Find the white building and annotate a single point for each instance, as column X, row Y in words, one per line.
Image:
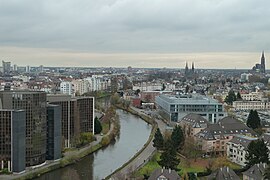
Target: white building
column 80, row 86
column 237, row 149
column 248, row 105
column 253, row 96
column 66, row 87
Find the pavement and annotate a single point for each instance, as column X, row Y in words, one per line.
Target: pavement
column 143, row 157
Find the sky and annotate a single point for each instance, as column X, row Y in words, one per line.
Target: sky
column 137, row 33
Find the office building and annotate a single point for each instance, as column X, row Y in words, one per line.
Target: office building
column 34, row 104
column 12, row 140
column 54, row 135
column 6, row 67
column 175, row 107
column 77, row 115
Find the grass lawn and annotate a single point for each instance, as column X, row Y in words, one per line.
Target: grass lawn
column 187, row 165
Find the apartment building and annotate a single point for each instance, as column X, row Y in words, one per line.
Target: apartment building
column 214, row 138
column 237, row 149
column 192, row 124
column 248, row 105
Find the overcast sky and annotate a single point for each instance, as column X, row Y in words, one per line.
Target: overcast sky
column 140, row 33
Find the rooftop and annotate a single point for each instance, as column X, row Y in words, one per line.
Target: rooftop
column 188, row 99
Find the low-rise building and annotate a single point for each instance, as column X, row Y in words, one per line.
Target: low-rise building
column 175, row 107
column 215, row 137
column 192, row 124
column 237, row 149
column 164, row 174
column 256, row 172
column 248, row 105
column 223, row 173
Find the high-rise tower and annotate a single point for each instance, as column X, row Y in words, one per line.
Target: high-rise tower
column 263, row 63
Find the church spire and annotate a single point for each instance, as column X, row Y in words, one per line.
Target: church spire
column 193, row 67
column 262, row 63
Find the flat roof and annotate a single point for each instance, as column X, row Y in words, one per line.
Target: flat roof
column 189, row 99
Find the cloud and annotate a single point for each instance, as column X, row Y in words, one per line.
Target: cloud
column 136, row 26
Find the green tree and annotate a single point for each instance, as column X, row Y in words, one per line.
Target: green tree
column 253, row 120
column 178, row 138
column 257, row 152
column 158, row 140
column 163, row 87
column 98, row 126
column 230, row 98
column 168, row 158
column 238, row 97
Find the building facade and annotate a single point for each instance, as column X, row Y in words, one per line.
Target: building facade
column 77, row 115
column 214, row 138
column 237, row 149
column 34, row 105
column 176, row 107
column 12, row 140
column 249, row 105
column 54, row 134
column 66, row 87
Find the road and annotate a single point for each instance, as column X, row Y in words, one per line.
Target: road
column 142, row 158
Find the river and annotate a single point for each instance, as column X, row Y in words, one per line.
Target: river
column 134, row 133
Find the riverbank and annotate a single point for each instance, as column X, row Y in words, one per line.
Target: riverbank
column 73, row 155
column 122, row 171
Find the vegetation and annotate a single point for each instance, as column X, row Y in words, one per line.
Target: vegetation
column 178, row 138
column 257, row 153
column 84, row 138
column 168, row 158
column 230, row 98
column 158, row 140
column 238, row 96
column 97, row 126
column 253, row 120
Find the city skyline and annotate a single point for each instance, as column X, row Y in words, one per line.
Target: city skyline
column 136, row 33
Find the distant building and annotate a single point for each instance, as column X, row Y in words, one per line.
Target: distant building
column 260, row 68
column 54, row 134
column 175, row 107
column 28, row 69
column 12, row 140
column 245, row 77
column 66, row 87
column 6, row 67
column 189, row 72
column 77, row 115
column 248, row 105
column 34, row 105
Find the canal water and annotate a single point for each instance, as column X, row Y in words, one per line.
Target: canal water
column 134, row 133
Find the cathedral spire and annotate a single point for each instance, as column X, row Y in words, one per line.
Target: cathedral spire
column 262, row 63
column 192, row 67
